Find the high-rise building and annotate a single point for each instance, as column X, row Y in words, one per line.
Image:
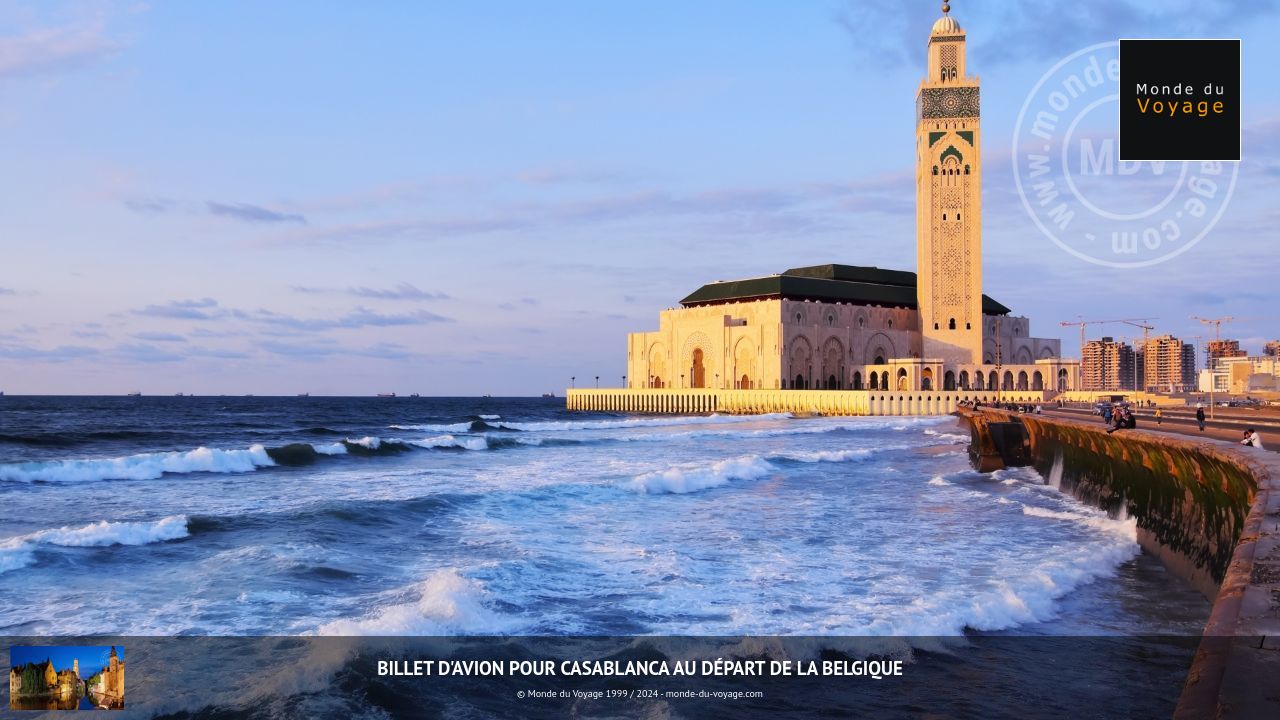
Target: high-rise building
column 1107, row 365
column 1272, row 348
column 1217, row 349
column 1169, row 364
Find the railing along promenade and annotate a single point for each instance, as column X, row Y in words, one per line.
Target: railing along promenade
column 805, row 402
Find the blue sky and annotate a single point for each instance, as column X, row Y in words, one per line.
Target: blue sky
column 467, row 198
column 92, row 657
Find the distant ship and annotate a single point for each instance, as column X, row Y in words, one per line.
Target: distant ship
column 135, row 394
column 415, row 395
column 548, row 395
column 386, row 395
column 304, row 394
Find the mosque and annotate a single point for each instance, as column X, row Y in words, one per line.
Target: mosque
column 844, row 327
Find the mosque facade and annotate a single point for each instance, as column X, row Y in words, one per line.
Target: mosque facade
column 845, row 327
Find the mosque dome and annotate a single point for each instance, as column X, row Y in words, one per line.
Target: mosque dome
column 946, row 25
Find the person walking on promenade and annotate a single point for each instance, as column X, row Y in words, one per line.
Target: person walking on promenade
column 1200, row 416
column 1106, row 415
column 1252, row 439
column 1159, row 416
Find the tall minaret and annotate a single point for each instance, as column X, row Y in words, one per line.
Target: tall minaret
column 949, row 201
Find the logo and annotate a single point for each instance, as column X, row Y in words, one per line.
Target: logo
column 1082, row 196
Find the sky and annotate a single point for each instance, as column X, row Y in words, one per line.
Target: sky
column 485, row 197
column 92, row 658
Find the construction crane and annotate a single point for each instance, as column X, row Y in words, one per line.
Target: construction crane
column 1216, row 323
column 1082, row 322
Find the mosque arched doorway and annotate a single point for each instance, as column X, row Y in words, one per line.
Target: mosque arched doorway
column 926, row 379
column 698, row 372
column 902, row 379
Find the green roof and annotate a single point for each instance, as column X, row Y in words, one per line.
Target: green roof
column 825, row 283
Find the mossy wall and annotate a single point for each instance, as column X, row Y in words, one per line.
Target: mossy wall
column 1189, row 499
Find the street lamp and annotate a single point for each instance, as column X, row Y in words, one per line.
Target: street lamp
column 573, row 381
column 681, row 381
column 624, row 381
column 597, row 382
column 717, row 379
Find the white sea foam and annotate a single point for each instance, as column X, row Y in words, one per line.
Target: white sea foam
column 446, row 603
column 949, row 437
column 451, row 441
column 18, row 551
column 938, row 480
column 447, row 428
column 691, row 478
column 368, row 441
column 834, row 456
column 1098, row 519
column 331, row 449
column 145, row 466
column 490, row 417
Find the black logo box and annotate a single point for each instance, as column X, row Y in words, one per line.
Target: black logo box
column 1187, row 68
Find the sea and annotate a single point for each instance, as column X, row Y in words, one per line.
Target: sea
column 511, row 517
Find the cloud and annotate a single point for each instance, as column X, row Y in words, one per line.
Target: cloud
column 150, row 206
column 202, row 309
column 402, row 291
column 144, row 353
column 358, row 318
column 62, row 353
column 320, row 350
column 160, row 337
column 219, row 353
column 8, row 291
column 48, row 50
column 526, row 301
column 254, row 213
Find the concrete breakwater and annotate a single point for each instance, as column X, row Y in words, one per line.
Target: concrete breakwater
column 807, row 402
column 1209, row 509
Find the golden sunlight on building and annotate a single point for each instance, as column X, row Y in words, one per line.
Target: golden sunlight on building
column 849, row 328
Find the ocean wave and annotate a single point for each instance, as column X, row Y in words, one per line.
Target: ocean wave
column 446, row 603
column 835, row 456
column 451, row 441
column 689, row 479
column 1097, row 519
column 460, row 427
column 571, row 425
column 17, row 552
column 693, row 477
column 144, row 466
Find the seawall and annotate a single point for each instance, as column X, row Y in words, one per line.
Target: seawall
column 1210, row 510
column 806, row 402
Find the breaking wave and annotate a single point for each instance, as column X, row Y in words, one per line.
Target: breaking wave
column 446, row 603
column 691, row 478
column 17, row 552
column 144, row 466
